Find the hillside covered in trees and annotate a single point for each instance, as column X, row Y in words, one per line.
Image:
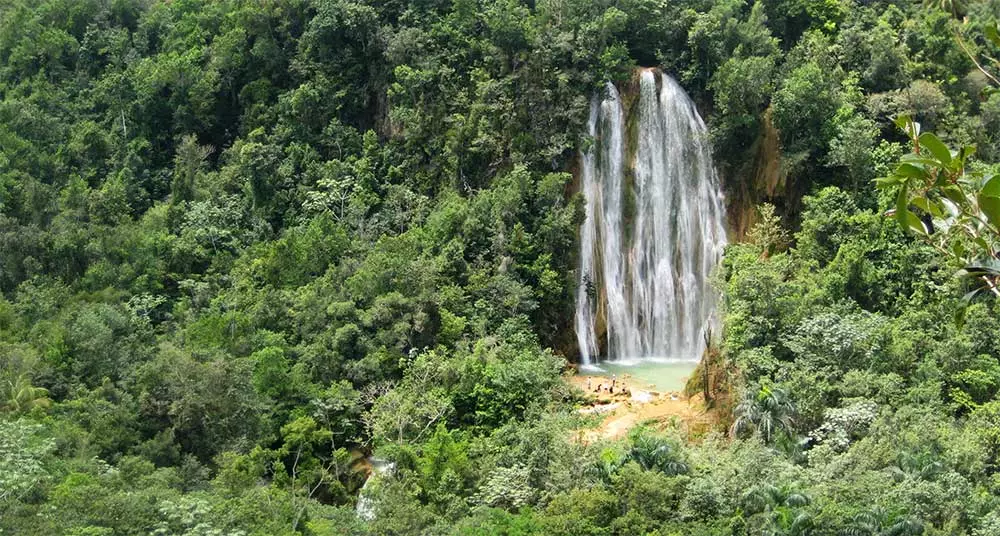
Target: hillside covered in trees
column 246, row 243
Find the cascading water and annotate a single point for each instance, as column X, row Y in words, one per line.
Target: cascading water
column 654, row 230
column 365, row 508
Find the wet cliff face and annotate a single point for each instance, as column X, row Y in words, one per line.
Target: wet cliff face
column 761, row 178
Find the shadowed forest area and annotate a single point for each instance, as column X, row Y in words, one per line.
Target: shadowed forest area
column 247, row 244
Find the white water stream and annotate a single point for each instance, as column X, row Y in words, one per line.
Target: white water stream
column 655, row 228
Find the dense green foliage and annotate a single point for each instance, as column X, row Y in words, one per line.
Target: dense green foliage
column 242, row 243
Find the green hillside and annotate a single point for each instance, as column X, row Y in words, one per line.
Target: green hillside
column 246, row 244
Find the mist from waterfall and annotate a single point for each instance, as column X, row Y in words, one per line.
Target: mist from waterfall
column 655, row 227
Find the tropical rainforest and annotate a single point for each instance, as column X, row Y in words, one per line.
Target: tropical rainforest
column 246, row 243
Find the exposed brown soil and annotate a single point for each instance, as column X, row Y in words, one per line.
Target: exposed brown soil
column 626, row 410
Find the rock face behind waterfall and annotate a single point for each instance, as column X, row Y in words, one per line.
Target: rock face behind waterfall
column 654, row 230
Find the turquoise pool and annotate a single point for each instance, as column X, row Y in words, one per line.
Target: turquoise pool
column 663, row 375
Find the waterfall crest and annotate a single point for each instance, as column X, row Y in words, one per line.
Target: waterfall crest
column 654, row 230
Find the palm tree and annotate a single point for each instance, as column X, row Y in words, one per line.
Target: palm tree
column 607, row 464
column 781, row 506
column 957, row 8
column 768, row 497
column 787, row 522
column 653, row 452
column 18, row 395
column 769, row 412
column 878, row 522
column 924, row 466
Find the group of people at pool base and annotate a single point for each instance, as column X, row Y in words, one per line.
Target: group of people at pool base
column 607, row 388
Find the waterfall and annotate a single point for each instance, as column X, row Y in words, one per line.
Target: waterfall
column 654, row 230
column 365, row 508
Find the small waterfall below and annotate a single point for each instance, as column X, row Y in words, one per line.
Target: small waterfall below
column 655, row 227
column 365, row 508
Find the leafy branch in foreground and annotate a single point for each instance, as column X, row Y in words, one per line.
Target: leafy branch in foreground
column 952, row 208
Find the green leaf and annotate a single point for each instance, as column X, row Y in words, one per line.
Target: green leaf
column 992, row 34
column 902, row 202
column 890, row 182
column 909, row 170
column 967, row 299
column 907, row 220
column 958, row 249
column 903, row 121
column 955, row 194
column 908, row 125
column 991, row 207
column 918, row 159
column 985, row 266
column 914, row 223
column 960, row 311
column 991, row 187
column 940, row 151
column 981, row 272
column 928, row 206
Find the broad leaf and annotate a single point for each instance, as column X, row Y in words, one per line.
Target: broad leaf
column 891, row 180
column 958, row 249
column 955, row 194
column 909, row 170
column 914, row 158
column 971, row 294
column 902, row 204
column 907, row 123
column 991, row 187
column 914, row 223
column 940, row 151
column 992, row 33
column 928, row 206
column 903, row 121
column 982, row 267
column 991, row 208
